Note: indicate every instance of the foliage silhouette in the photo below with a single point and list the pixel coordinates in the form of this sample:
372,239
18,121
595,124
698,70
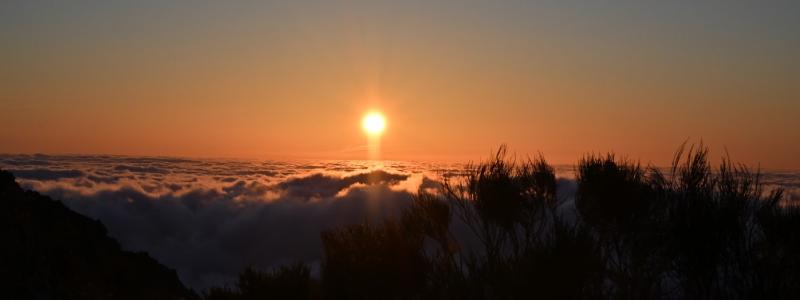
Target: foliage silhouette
633,232
691,232
286,282
395,259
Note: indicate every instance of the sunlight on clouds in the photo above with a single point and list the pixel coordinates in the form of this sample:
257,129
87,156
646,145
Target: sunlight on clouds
166,205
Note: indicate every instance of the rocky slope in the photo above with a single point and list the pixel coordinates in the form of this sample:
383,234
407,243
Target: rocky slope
52,252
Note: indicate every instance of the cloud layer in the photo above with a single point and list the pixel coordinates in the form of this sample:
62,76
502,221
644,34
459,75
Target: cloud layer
209,219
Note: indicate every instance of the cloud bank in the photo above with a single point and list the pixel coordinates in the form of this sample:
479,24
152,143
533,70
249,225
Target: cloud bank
209,219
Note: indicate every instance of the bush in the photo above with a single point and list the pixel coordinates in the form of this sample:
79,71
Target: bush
286,282
634,232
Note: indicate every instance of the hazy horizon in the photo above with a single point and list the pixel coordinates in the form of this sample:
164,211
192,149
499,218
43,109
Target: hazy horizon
443,160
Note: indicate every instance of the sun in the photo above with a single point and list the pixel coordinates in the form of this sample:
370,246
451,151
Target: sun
374,123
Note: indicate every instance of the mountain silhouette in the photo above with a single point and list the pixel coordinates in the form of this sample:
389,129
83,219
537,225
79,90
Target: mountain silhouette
52,252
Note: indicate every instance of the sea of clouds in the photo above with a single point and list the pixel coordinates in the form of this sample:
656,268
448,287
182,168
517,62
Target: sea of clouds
209,219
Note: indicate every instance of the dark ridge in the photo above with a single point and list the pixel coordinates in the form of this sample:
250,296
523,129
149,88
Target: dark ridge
52,252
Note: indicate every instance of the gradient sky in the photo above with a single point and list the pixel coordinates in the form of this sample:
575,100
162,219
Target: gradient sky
455,79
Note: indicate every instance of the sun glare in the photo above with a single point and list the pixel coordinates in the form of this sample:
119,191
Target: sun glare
374,123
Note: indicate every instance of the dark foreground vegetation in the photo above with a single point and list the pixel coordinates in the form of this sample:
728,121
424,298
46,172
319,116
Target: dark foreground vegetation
629,232
52,252
632,232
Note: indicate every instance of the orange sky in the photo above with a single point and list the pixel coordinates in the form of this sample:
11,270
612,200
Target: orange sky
455,80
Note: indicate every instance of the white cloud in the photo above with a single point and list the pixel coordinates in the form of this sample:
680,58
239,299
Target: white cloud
211,218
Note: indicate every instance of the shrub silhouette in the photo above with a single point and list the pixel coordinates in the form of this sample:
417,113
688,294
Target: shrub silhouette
506,205
286,282
776,267
407,258
632,232
635,232
612,196
368,261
